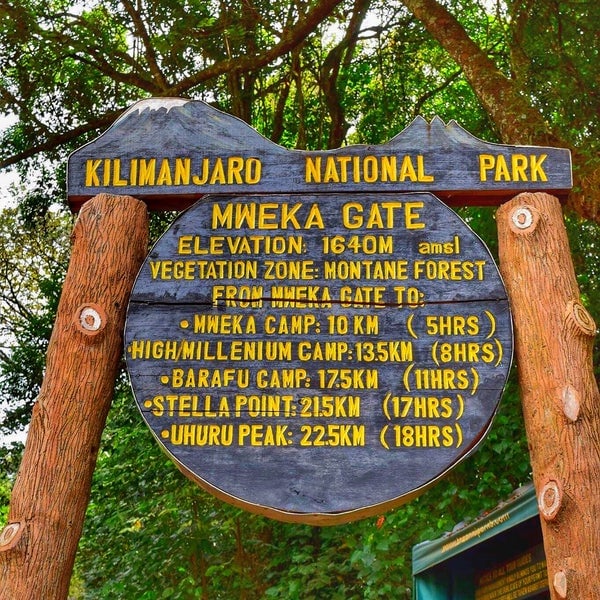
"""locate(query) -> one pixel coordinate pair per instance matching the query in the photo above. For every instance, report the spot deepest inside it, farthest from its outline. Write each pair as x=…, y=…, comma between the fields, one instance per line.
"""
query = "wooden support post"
x=51, y=492
x=561, y=404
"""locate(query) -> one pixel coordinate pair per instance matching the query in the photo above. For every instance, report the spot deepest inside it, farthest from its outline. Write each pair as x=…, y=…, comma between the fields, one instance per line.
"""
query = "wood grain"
x=380, y=369
x=561, y=404
x=52, y=488
x=171, y=152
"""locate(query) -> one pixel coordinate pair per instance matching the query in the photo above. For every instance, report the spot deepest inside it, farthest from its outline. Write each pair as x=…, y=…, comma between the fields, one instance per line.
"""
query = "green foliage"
x=33, y=257
x=10, y=457
x=66, y=70
x=556, y=55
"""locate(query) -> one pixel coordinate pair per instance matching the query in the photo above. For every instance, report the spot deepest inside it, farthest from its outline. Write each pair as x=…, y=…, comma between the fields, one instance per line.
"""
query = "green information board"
x=318, y=358
x=496, y=557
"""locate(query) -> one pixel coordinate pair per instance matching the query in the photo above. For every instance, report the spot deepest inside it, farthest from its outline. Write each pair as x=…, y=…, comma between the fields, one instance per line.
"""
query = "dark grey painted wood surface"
x=381, y=372
x=170, y=152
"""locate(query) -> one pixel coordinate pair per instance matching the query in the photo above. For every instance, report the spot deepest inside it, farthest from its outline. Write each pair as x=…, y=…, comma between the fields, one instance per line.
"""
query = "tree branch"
x=288, y=42
x=105, y=68
x=149, y=53
x=329, y=76
x=432, y=92
x=497, y=93
x=57, y=139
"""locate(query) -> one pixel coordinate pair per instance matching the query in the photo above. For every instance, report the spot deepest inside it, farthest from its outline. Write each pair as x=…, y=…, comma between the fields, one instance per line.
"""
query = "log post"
x=561, y=404
x=52, y=488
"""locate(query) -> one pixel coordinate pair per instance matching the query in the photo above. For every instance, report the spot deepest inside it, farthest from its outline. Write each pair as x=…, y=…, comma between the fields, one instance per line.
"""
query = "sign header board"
x=169, y=152
x=318, y=358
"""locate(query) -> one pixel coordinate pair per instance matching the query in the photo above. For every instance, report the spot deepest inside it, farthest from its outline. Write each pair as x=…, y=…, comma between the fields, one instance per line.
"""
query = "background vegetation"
x=308, y=74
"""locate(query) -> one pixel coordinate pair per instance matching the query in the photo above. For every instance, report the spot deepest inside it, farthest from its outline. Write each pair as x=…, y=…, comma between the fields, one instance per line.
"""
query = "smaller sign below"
x=498, y=556
x=318, y=358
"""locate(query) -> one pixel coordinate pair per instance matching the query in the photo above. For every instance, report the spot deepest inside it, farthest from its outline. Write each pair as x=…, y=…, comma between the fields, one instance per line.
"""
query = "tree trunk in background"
x=561, y=404
x=52, y=489
x=517, y=120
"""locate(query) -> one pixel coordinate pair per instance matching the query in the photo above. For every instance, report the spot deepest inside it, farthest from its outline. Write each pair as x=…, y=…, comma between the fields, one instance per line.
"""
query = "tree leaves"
x=32, y=262
x=308, y=74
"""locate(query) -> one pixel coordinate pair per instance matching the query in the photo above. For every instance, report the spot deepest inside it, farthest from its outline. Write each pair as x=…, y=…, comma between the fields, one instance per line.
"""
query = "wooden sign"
x=318, y=358
x=169, y=152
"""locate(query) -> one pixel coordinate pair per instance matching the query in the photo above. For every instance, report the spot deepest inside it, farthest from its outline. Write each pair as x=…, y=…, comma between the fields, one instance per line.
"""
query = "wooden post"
x=51, y=492
x=561, y=403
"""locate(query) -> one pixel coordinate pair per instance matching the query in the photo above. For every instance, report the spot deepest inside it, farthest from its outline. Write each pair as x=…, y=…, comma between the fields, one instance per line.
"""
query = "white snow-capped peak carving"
x=154, y=104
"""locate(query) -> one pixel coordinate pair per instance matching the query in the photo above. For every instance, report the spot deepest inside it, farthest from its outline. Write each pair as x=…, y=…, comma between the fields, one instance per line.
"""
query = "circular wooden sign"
x=318, y=358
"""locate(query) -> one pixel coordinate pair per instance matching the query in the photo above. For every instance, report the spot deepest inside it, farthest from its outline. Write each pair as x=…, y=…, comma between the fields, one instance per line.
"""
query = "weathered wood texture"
x=369, y=361
x=50, y=496
x=561, y=403
x=170, y=151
